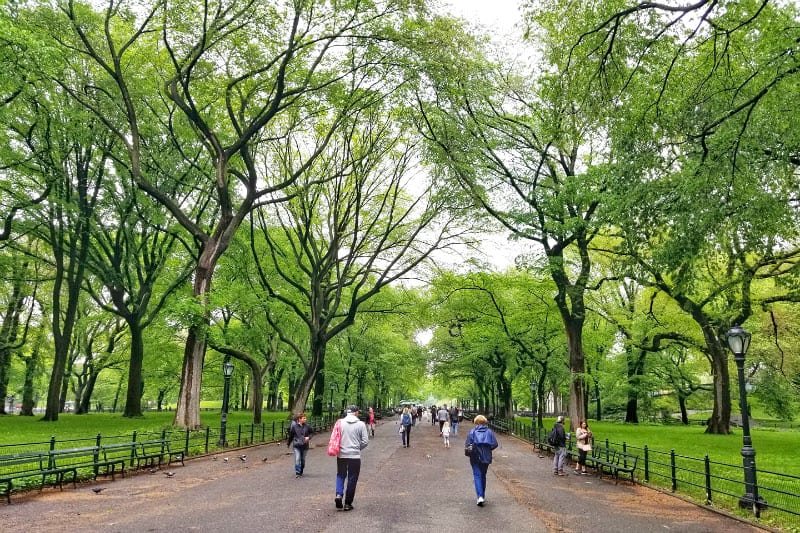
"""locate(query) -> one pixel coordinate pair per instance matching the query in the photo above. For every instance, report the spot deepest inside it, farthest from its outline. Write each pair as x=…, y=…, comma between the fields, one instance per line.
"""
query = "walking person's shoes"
x=338, y=501
x=348, y=507
x=481, y=501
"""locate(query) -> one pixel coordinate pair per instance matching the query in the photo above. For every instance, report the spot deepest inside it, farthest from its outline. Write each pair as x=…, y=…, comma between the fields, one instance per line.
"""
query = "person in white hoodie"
x=355, y=438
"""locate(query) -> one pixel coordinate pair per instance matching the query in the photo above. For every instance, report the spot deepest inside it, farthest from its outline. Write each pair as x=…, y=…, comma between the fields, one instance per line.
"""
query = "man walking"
x=355, y=438
x=559, y=441
x=442, y=415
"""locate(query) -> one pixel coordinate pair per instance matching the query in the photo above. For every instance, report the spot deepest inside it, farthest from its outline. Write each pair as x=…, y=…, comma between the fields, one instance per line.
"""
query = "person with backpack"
x=405, y=427
x=558, y=440
x=299, y=436
x=454, y=419
x=479, y=445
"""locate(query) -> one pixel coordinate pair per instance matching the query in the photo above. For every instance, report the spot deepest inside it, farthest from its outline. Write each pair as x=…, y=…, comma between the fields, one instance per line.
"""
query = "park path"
x=424, y=488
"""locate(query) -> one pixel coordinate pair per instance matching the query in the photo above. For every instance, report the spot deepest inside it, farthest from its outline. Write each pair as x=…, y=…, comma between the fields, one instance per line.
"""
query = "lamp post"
x=533, y=402
x=739, y=341
x=330, y=404
x=227, y=371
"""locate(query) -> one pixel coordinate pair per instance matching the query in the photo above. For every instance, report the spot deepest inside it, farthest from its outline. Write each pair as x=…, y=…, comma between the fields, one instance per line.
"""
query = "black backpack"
x=551, y=437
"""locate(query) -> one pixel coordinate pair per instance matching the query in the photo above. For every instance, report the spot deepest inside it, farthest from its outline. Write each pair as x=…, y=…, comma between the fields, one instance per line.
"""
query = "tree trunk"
x=684, y=412
x=720, y=420
x=635, y=368
x=133, y=399
x=577, y=383
x=312, y=376
x=187, y=411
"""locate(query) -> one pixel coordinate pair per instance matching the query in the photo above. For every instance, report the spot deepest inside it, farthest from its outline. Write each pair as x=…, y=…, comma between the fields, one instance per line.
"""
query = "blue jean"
x=347, y=469
x=300, y=459
x=479, y=475
x=454, y=425
x=559, y=458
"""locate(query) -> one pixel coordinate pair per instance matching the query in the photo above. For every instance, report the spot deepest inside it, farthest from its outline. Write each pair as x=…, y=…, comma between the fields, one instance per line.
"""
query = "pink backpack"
x=336, y=439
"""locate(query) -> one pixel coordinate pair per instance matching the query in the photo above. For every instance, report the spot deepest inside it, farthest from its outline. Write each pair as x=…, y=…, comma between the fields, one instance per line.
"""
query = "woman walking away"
x=299, y=435
x=584, y=437
x=446, y=434
x=405, y=423
x=348, y=463
x=482, y=441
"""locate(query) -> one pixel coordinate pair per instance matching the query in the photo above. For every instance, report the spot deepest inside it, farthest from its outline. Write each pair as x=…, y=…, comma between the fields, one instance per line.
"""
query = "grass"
x=31, y=429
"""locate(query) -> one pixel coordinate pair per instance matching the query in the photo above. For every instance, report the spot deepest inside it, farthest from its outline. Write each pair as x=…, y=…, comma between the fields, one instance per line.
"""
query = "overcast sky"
x=501, y=14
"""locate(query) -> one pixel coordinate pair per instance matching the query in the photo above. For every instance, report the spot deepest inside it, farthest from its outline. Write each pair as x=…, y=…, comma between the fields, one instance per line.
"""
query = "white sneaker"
x=480, y=502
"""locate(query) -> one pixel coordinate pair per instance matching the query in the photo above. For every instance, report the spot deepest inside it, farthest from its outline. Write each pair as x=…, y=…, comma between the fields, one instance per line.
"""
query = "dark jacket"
x=560, y=435
x=298, y=434
x=483, y=442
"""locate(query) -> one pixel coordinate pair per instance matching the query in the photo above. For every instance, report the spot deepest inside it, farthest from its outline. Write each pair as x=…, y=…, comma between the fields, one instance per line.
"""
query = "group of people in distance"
x=355, y=437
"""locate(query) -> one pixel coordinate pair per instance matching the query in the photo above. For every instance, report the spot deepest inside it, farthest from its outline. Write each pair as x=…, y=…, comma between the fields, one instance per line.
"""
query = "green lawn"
x=771, y=444
x=23, y=429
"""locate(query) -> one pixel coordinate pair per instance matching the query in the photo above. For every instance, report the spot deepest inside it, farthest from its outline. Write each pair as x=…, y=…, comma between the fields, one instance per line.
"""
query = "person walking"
x=433, y=415
x=406, y=421
x=482, y=441
x=559, y=442
x=442, y=415
x=454, y=419
x=371, y=422
x=299, y=437
x=348, y=463
x=446, y=434
x=583, y=437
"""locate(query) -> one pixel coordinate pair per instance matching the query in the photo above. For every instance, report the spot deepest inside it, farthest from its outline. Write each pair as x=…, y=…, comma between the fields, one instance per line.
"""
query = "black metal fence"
x=190, y=442
x=701, y=479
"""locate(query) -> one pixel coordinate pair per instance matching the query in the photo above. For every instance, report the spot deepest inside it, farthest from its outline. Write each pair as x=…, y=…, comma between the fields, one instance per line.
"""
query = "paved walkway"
x=424, y=488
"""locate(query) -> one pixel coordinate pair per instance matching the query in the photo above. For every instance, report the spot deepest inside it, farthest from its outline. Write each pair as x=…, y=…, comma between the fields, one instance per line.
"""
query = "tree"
x=232, y=109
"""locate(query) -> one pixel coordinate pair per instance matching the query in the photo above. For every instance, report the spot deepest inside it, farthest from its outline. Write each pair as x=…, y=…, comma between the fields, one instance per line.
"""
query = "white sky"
x=500, y=14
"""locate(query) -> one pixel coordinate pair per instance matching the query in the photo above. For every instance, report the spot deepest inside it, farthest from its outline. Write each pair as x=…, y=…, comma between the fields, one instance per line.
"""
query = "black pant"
x=347, y=469
x=406, y=435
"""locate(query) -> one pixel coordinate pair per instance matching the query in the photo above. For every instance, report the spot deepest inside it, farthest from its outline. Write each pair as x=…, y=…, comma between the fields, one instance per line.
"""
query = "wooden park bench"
x=613, y=463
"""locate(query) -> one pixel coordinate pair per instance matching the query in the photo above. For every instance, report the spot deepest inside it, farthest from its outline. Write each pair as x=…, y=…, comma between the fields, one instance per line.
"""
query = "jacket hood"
x=351, y=418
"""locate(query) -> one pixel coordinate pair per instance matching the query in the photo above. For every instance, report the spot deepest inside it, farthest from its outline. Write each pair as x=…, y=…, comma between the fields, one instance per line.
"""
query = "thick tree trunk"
x=720, y=420
x=313, y=376
x=635, y=370
x=577, y=364
x=133, y=399
x=187, y=411
x=684, y=412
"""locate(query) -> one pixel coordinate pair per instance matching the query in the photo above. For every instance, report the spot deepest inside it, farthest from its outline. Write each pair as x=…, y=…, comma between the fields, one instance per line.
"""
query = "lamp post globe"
x=227, y=372
x=739, y=341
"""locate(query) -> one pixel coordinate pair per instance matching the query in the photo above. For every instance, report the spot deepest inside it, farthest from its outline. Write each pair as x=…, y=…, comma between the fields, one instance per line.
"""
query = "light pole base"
x=747, y=502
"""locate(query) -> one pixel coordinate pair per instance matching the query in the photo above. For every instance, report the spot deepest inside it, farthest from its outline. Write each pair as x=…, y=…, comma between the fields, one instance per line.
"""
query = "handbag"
x=335, y=440
x=468, y=450
x=402, y=429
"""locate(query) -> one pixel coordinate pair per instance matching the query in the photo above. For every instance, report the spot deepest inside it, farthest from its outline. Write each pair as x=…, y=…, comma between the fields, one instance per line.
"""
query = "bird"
x=225, y=459
x=214, y=458
x=428, y=456
x=264, y=460
x=169, y=474
x=153, y=470
x=98, y=490
x=243, y=458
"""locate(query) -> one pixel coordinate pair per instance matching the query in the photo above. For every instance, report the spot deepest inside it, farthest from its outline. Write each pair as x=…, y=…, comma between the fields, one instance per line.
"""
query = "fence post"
x=186, y=443
x=646, y=463
x=263, y=430
x=208, y=435
x=708, y=479
x=239, y=434
x=252, y=433
x=96, y=454
x=674, y=470
x=273, y=429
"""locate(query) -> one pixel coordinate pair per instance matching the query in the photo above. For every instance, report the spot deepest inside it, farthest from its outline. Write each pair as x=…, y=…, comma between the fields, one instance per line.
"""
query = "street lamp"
x=533, y=401
x=739, y=341
x=330, y=404
x=227, y=371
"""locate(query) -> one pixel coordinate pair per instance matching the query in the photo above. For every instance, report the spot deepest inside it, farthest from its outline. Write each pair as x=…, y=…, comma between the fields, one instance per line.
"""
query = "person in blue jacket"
x=483, y=441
